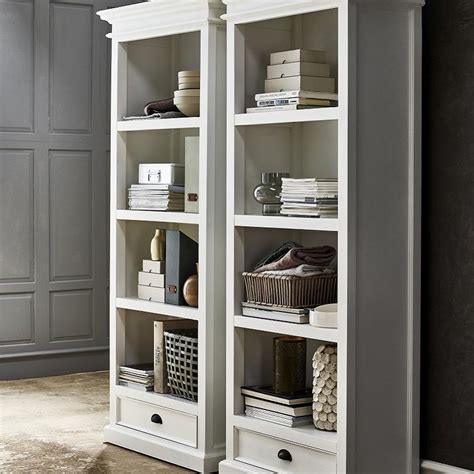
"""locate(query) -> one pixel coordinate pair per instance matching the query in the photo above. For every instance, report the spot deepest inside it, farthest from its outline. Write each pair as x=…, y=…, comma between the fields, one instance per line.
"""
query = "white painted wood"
x=157, y=216
x=431, y=467
x=292, y=329
x=168, y=124
x=175, y=426
x=289, y=116
x=371, y=142
x=262, y=451
x=151, y=42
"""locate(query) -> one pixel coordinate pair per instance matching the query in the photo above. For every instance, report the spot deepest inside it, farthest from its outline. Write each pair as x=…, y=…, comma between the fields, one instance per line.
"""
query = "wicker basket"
x=182, y=362
x=291, y=291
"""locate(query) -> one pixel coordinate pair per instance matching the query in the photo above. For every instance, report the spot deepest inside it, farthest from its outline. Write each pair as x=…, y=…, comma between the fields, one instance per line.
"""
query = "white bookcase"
x=371, y=142
x=151, y=42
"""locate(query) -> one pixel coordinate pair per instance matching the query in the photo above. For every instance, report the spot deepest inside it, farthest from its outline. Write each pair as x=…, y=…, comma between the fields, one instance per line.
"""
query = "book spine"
x=159, y=359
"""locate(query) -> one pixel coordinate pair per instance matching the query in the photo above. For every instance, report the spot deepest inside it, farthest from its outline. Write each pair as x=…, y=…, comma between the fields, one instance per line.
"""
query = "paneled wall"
x=54, y=142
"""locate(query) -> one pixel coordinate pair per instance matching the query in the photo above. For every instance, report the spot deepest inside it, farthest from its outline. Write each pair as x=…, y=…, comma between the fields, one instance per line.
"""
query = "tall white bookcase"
x=151, y=42
x=371, y=142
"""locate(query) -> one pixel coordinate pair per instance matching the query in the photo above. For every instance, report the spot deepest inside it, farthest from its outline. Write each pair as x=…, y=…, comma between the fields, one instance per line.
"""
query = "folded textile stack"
x=138, y=376
x=263, y=403
x=156, y=197
x=296, y=79
x=309, y=197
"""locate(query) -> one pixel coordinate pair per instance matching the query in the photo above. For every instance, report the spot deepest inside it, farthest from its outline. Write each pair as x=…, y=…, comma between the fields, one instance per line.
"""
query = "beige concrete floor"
x=54, y=424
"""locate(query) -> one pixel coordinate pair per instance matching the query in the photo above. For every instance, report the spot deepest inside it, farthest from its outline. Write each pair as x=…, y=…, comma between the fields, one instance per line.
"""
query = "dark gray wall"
x=54, y=141
x=447, y=403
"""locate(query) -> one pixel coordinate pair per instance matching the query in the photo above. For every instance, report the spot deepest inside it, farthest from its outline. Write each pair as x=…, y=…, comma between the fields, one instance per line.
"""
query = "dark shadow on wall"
x=447, y=397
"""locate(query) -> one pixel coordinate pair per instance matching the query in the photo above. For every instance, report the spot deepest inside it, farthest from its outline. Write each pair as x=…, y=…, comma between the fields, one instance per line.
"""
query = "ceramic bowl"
x=188, y=74
x=188, y=108
x=324, y=316
x=189, y=85
x=187, y=93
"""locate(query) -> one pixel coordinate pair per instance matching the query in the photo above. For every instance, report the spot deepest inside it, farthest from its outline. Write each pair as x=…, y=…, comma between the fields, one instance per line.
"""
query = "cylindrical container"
x=267, y=193
x=289, y=364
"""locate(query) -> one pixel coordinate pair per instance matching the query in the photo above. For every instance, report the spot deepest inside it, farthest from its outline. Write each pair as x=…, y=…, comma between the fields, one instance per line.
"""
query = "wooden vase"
x=191, y=289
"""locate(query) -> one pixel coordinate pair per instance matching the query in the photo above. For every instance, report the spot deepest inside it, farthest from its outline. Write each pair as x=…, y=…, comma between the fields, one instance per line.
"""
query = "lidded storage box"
x=161, y=173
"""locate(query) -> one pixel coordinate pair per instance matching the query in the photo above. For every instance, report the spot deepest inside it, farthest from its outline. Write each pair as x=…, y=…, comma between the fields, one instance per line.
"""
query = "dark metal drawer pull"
x=156, y=419
x=285, y=455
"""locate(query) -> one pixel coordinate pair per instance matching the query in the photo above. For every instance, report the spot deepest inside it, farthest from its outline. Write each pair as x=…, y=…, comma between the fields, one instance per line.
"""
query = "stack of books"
x=151, y=281
x=288, y=410
x=309, y=197
x=287, y=315
x=156, y=197
x=139, y=376
x=296, y=79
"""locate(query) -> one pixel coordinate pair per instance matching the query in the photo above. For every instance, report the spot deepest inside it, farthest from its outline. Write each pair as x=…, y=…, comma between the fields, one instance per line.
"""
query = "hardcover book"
x=159, y=352
x=266, y=392
x=191, y=180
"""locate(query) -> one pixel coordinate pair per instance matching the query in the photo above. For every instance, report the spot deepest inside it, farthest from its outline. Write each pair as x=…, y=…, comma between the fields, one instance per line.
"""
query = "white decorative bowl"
x=187, y=93
x=195, y=74
x=324, y=316
x=187, y=107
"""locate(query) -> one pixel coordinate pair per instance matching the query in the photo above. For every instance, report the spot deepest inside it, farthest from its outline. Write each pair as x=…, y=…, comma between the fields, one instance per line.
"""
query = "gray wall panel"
x=71, y=68
x=16, y=215
x=70, y=183
x=16, y=65
x=71, y=315
x=17, y=318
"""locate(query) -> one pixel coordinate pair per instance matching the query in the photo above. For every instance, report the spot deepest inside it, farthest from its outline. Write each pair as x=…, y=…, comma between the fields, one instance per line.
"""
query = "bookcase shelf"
x=370, y=142
x=163, y=400
x=157, y=124
x=305, y=435
x=288, y=117
x=151, y=43
x=185, y=312
x=157, y=216
x=283, y=222
x=290, y=329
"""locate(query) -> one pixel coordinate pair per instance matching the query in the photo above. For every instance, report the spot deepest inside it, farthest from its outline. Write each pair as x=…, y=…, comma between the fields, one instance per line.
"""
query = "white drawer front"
x=174, y=425
x=262, y=451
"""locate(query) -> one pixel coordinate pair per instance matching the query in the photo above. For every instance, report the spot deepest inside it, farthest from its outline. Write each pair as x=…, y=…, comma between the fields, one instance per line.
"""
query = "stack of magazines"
x=288, y=410
x=139, y=376
x=309, y=197
x=156, y=197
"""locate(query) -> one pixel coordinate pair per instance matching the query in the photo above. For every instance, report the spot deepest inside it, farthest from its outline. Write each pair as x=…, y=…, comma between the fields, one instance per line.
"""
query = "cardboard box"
x=298, y=55
x=307, y=83
x=156, y=280
x=150, y=293
x=298, y=69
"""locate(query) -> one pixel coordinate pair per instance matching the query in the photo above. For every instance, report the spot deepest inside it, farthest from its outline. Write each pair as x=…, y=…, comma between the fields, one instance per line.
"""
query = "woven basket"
x=291, y=291
x=182, y=362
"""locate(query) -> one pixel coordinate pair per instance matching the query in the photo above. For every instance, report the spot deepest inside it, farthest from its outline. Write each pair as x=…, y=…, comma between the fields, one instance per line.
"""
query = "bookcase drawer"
x=153, y=419
x=263, y=451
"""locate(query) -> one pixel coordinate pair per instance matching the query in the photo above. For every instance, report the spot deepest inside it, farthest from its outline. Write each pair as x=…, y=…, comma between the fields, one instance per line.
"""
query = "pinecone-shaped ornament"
x=325, y=387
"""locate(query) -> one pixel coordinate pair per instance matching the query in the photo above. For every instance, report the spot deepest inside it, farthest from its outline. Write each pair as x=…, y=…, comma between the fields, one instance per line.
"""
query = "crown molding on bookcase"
x=175, y=16
x=252, y=10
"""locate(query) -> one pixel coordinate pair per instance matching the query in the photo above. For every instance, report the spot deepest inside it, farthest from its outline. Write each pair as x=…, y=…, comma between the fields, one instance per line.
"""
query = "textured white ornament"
x=325, y=388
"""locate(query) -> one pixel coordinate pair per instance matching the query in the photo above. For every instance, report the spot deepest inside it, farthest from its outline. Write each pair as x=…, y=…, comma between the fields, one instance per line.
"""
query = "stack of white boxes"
x=299, y=69
x=151, y=281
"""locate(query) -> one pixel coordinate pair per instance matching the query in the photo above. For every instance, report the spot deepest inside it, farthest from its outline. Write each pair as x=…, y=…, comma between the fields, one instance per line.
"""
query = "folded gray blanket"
x=301, y=271
x=315, y=256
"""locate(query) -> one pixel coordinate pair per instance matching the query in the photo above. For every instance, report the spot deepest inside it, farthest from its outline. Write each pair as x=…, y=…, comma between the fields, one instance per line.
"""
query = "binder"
x=181, y=257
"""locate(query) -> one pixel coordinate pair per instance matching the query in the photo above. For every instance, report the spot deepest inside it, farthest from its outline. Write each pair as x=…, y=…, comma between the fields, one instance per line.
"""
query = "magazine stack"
x=263, y=403
x=138, y=376
x=309, y=197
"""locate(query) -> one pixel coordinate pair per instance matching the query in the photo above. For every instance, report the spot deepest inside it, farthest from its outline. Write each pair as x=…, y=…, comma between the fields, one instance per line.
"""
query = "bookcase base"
x=162, y=449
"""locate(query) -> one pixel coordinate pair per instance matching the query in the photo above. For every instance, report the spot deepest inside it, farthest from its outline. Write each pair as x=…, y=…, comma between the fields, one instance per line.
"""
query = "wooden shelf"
x=307, y=435
x=184, y=312
x=157, y=216
x=284, y=222
x=160, y=399
x=290, y=329
x=290, y=116
x=157, y=124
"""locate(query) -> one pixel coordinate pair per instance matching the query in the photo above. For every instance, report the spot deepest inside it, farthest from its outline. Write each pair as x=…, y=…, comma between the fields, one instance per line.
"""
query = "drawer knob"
x=156, y=419
x=285, y=455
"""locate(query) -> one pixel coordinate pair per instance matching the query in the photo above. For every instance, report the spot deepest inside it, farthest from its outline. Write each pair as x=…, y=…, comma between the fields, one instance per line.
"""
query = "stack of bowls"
x=187, y=97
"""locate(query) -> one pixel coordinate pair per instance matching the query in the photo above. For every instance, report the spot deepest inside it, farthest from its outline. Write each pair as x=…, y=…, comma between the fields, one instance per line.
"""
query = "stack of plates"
x=187, y=97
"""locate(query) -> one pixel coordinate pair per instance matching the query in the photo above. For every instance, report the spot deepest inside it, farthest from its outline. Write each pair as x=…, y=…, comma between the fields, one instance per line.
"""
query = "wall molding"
x=53, y=353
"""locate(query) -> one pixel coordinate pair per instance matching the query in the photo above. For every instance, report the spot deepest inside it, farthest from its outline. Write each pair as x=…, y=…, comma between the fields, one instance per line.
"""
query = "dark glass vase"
x=289, y=364
x=267, y=193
